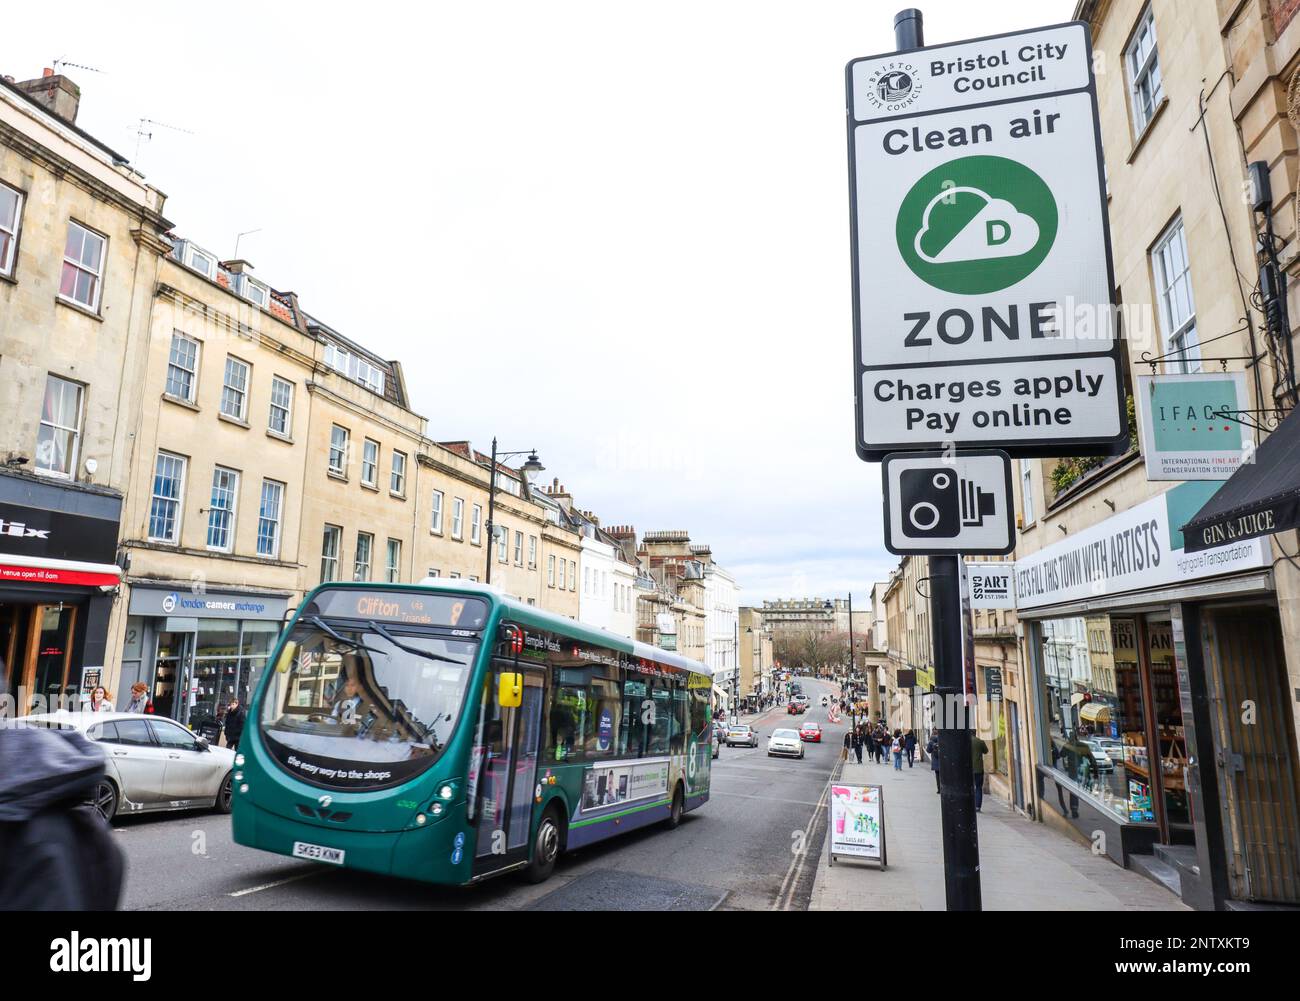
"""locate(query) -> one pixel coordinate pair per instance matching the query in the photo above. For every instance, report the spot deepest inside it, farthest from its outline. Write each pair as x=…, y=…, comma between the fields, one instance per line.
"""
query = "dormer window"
x=255, y=293
x=204, y=264
x=355, y=368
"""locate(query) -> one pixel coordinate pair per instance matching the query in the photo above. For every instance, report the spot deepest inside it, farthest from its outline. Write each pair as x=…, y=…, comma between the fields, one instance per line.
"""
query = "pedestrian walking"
x=857, y=745
x=234, y=725
x=896, y=746
x=932, y=749
x=848, y=743
x=977, y=751
x=909, y=747
x=100, y=701
x=139, y=698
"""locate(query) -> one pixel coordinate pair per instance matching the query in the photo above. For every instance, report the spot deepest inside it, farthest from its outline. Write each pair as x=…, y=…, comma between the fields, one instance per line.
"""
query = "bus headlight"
x=436, y=809
x=420, y=818
x=239, y=776
x=244, y=787
x=239, y=760
x=446, y=791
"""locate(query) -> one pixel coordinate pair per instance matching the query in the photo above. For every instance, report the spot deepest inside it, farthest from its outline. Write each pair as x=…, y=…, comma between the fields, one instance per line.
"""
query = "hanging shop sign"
x=1190, y=426
x=992, y=585
x=982, y=285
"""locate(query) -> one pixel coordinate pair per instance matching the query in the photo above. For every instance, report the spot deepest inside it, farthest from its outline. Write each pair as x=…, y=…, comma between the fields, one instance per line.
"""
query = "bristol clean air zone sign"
x=983, y=305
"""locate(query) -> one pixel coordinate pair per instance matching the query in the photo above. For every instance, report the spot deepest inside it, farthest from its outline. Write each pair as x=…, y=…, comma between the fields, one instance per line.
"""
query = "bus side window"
x=569, y=721
x=636, y=730
x=677, y=742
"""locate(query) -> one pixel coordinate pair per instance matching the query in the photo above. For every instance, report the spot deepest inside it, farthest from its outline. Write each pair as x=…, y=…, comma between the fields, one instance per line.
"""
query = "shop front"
x=1134, y=647
x=198, y=651
x=58, y=581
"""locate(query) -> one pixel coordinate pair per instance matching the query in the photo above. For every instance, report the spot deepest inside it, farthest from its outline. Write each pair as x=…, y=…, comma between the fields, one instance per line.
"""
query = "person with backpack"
x=59, y=854
x=932, y=749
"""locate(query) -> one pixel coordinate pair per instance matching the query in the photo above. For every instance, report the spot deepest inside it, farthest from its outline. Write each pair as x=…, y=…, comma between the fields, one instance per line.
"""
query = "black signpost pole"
x=956, y=775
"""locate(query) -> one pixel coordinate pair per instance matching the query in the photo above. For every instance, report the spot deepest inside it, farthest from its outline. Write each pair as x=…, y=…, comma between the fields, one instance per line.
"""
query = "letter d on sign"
x=997, y=232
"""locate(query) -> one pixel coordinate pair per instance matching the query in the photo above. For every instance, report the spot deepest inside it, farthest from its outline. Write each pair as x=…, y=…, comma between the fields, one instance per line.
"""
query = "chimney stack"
x=54, y=92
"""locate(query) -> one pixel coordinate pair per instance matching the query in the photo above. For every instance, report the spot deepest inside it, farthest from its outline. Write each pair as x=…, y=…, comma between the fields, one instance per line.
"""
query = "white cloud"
x=998, y=230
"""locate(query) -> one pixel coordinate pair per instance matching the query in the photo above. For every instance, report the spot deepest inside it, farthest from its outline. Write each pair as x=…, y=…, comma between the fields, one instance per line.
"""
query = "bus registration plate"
x=319, y=853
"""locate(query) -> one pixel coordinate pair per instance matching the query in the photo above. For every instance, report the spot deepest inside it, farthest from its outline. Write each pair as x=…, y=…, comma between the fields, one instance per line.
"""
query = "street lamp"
x=530, y=469
x=829, y=606
x=735, y=675
x=853, y=702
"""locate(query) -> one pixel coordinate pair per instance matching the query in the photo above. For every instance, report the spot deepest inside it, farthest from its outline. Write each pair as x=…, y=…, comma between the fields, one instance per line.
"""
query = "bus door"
x=510, y=743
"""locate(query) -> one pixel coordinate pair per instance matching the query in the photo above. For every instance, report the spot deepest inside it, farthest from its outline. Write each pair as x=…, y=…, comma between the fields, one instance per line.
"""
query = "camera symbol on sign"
x=938, y=504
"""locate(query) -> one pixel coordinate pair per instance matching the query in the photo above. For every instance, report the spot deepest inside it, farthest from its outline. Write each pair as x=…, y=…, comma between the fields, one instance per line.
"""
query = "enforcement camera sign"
x=982, y=284
x=938, y=502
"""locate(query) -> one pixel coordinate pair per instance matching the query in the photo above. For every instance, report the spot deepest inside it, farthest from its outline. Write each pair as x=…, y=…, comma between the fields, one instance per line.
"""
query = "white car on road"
x=785, y=742
x=152, y=763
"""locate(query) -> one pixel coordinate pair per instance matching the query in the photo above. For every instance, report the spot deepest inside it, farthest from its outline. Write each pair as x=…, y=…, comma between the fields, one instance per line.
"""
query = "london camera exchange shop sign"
x=983, y=304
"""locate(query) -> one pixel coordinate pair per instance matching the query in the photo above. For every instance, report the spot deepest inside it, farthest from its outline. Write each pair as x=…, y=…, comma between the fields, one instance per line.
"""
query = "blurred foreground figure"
x=56, y=852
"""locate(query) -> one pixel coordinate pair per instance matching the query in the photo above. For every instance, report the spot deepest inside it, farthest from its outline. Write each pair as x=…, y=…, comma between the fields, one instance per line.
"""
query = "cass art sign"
x=857, y=822
x=991, y=585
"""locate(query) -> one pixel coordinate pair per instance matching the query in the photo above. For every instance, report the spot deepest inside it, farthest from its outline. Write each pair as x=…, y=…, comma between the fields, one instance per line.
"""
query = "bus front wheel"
x=546, y=847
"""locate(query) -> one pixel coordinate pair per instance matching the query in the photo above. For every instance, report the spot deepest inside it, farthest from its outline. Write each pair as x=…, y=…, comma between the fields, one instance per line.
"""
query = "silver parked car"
x=152, y=763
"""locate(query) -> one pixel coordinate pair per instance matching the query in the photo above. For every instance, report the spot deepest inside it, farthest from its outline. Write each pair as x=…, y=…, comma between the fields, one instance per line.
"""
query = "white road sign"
x=938, y=502
x=983, y=303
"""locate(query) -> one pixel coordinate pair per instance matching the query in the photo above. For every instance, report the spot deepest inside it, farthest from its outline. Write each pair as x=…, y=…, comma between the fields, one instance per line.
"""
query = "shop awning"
x=1094, y=712
x=1260, y=498
x=38, y=570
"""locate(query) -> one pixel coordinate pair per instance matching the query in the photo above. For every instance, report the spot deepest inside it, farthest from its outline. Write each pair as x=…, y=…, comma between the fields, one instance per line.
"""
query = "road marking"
x=785, y=897
x=766, y=799
x=278, y=882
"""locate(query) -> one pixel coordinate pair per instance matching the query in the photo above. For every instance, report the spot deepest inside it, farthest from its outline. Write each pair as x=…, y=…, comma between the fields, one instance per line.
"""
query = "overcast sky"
x=613, y=231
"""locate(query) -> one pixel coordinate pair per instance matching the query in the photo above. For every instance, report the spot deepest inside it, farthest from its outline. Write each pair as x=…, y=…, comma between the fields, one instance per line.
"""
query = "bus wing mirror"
x=285, y=660
x=510, y=690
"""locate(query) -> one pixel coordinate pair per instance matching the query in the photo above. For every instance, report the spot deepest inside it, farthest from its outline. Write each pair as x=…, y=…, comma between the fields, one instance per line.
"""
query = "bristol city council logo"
x=893, y=86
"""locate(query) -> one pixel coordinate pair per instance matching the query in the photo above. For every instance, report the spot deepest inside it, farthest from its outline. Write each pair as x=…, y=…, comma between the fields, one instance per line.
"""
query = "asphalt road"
x=753, y=846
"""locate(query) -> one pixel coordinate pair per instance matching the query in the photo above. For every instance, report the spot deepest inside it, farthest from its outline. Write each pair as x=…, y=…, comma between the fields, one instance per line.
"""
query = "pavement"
x=1024, y=865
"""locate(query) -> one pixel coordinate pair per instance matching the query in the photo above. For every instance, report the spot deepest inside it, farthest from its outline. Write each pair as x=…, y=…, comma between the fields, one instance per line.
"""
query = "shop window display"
x=1093, y=693
x=1169, y=723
